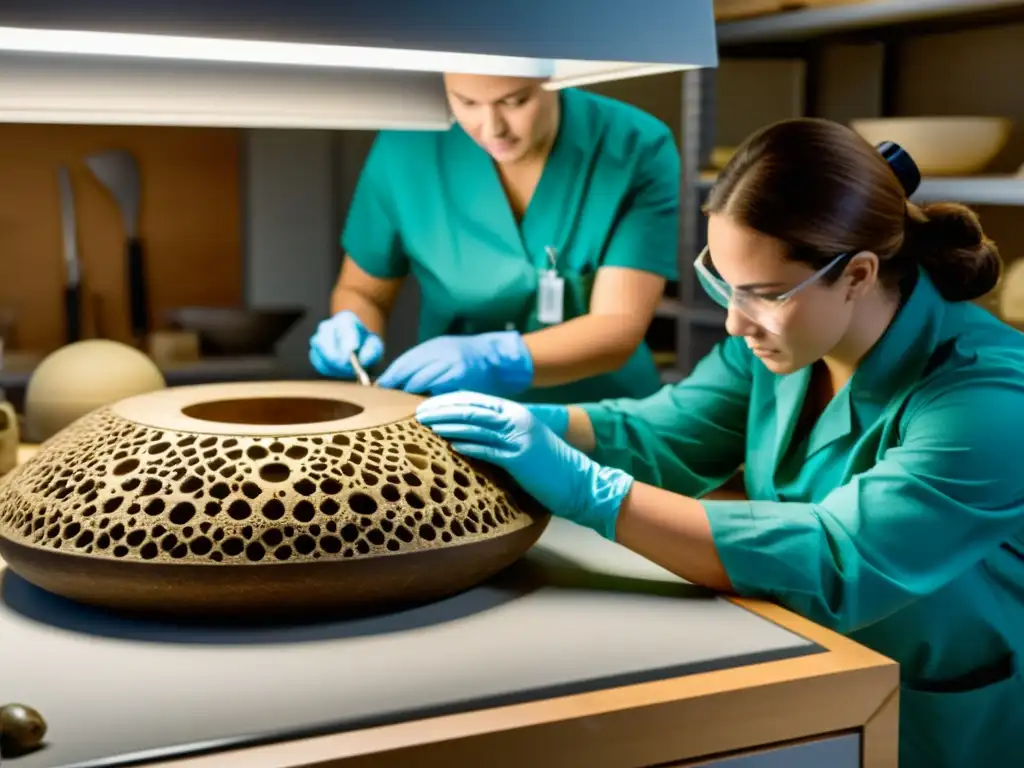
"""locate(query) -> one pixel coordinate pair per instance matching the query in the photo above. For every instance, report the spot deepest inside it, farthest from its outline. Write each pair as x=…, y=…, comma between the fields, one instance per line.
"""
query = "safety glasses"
x=764, y=310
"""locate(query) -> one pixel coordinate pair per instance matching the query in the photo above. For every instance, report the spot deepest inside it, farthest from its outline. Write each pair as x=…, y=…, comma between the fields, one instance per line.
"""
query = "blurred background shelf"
x=831, y=19
x=844, y=61
x=974, y=190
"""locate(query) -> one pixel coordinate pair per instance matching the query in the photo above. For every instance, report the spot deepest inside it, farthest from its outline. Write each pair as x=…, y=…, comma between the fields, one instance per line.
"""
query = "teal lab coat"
x=898, y=521
x=432, y=204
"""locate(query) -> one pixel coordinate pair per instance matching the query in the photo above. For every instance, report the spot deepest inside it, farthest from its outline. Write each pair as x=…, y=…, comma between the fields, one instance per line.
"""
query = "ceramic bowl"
x=941, y=146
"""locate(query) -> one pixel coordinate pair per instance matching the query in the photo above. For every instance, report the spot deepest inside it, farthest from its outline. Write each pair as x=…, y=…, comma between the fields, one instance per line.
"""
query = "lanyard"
x=550, y=291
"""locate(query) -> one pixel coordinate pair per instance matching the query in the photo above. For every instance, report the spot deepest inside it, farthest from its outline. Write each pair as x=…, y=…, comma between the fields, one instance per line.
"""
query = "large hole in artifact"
x=272, y=410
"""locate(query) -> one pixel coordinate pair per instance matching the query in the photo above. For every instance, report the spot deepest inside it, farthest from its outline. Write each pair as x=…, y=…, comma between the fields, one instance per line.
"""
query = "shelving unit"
x=970, y=190
x=795, y=26
x=801, y=34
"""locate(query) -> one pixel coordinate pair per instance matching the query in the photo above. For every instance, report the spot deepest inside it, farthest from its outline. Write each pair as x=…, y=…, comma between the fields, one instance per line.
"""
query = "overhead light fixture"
x=267, y=52
x=574, y=74
x=353, y=64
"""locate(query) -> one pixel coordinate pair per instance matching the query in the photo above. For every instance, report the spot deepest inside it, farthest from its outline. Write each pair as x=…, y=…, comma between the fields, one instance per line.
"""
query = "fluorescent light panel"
x=130, y=78
x=563, y=72
x=264, y=52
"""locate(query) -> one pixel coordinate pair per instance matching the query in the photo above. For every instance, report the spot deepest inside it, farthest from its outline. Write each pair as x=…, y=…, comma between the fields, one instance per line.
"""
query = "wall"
x=350, y=150
x=190, y=222
x=298, y=187
x=290, y=226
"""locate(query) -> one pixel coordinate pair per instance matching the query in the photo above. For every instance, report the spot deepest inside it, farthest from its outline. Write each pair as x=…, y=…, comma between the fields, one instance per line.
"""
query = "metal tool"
x=72, y=266
x=118, y=171
x=361, y=374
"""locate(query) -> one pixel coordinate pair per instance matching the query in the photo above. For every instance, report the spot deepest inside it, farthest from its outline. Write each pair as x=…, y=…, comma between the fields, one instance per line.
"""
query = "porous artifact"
x=259, y=498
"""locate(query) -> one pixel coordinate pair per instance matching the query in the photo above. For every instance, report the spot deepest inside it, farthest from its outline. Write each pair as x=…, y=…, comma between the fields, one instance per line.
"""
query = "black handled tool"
x=72, y=266
x=118, y=171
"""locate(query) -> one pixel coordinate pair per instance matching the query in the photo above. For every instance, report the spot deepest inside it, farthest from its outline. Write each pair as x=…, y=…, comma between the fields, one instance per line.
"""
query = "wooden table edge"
x=685, y=718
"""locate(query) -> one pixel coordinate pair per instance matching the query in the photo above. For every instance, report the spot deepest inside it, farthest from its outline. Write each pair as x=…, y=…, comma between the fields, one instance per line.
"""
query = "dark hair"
x=823, y=190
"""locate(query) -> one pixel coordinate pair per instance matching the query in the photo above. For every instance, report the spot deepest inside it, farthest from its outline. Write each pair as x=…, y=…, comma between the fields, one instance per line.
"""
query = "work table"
x=580, y=654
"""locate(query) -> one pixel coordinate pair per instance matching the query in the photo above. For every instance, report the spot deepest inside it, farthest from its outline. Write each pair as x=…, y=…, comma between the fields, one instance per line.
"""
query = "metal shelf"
x=794, y=26
x=973, y=190
x=970, y=190
x=669, y=307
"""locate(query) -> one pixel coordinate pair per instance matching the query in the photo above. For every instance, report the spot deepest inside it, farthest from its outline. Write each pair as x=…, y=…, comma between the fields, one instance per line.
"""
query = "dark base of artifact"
x=265, y=592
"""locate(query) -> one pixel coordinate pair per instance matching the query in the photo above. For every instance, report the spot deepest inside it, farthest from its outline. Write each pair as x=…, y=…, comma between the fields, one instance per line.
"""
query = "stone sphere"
x=81, y=377
x=260, y=499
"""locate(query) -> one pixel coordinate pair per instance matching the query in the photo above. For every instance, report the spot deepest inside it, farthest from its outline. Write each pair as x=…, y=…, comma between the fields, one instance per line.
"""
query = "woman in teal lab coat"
x=879, y=416
x=567, y=196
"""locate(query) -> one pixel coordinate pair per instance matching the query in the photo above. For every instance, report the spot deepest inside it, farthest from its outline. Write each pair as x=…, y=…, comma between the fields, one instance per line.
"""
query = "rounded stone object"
x=79, y=378
x=260, y=499
x=21, y=729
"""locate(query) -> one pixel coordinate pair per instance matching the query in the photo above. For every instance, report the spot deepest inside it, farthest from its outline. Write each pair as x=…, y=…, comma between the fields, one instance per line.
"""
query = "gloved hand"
x=564, y=480
x=339, y=336
x=554, y=417
x=495, y=363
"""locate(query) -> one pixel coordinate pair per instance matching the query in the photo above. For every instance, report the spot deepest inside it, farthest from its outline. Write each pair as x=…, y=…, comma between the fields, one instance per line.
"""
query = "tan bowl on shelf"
x=720, y=157
x=941, y=146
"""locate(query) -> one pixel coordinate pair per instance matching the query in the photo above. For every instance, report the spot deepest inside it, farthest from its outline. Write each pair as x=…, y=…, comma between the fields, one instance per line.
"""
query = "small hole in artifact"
x=272, y=537
x=201, y=545
x=275, y=473
x=296, y=452
x=272, y=410
x=304, y=511
x=126, y=466
x=273, y=510
x=233, y=546
x=239, y=510
x=362, y=504
x=182, y=513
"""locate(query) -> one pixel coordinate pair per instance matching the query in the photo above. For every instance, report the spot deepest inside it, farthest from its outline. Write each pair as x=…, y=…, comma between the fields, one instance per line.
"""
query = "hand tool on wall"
x=118, y=171
x=72, y=265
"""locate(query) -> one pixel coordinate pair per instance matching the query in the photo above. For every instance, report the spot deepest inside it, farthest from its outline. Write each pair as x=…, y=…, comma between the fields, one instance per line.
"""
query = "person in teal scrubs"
x=562, y=196
x=878, y=415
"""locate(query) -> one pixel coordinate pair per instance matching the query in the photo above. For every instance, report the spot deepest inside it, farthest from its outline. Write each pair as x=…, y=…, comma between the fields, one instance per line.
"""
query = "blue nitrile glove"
x=338, y=337
x=563, y=479
x=554, y=417
x=495, y=363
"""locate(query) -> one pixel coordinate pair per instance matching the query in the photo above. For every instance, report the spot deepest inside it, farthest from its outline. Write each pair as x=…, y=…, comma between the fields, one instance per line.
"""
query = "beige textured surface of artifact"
x=264, y=497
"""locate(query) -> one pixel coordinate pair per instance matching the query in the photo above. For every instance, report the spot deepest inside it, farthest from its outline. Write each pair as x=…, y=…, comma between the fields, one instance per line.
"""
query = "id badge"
x=550, y=298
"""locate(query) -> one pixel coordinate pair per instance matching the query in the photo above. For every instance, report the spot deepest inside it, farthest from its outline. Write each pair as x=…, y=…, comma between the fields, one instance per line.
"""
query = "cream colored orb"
x=81, y=377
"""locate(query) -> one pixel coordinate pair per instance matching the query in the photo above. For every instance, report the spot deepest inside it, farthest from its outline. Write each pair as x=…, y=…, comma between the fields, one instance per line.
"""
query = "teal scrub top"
x=432, y=204
x=898, y=521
